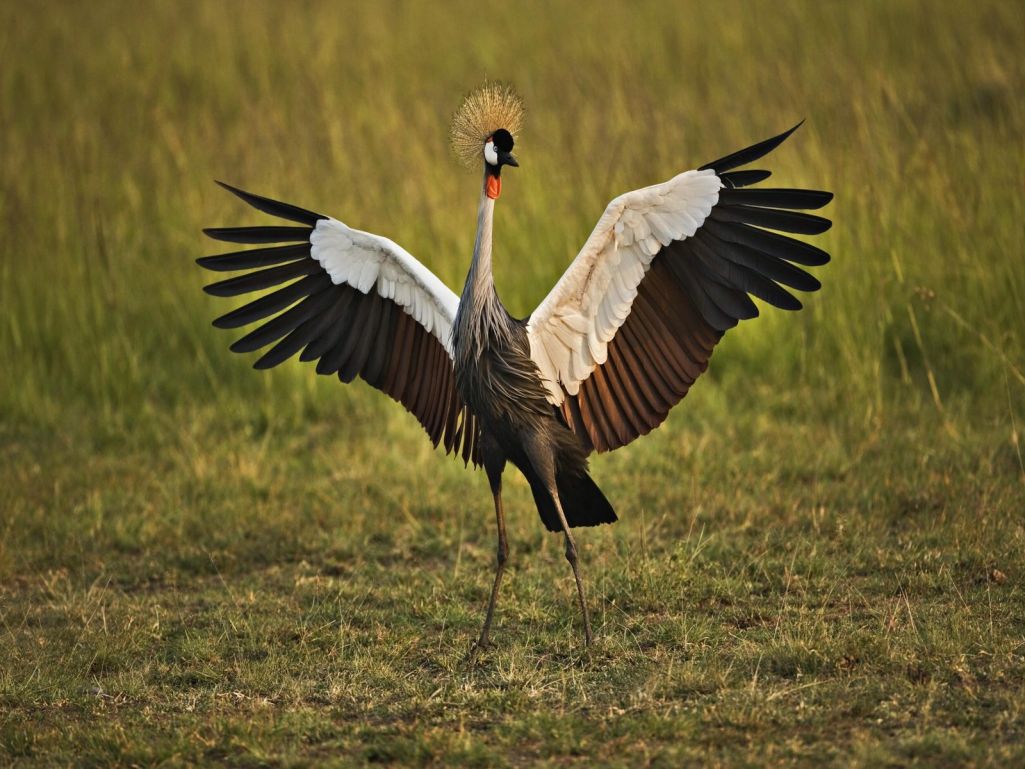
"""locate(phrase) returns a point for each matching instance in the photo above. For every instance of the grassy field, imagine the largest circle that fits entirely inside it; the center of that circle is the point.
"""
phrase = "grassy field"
(821, 554)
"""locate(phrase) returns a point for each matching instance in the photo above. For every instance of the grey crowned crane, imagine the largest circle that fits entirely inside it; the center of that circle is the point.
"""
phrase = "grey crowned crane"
(614, 346)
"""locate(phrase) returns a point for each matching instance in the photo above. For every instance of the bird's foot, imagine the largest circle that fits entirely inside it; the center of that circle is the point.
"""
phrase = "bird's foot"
(481, 644)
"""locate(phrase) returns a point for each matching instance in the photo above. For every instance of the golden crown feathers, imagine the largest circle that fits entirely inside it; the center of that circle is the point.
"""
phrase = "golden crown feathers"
(484, 110)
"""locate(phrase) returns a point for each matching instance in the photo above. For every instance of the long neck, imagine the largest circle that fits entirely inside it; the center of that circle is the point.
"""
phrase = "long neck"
(481, 317)
(480, 282)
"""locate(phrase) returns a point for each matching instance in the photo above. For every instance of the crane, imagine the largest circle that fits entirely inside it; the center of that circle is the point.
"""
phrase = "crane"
(616, 343)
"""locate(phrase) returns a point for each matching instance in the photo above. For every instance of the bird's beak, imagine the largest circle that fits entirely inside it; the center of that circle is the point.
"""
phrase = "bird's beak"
(507, 159)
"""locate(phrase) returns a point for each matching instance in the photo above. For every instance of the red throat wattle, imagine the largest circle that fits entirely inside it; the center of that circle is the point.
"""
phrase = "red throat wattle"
(494, 188)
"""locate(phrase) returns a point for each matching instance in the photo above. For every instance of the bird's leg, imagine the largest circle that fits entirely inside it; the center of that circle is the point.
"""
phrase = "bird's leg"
(494, 464)
(503, 556)
(571, 556)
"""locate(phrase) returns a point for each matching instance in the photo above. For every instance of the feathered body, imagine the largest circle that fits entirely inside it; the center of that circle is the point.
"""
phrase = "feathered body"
(502, 387)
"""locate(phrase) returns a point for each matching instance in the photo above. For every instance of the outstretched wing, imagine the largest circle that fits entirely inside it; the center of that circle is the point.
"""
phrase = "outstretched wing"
(668, 269)
(356, 303)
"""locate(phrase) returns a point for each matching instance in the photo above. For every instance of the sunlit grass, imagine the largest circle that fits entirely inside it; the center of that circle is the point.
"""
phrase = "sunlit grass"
(820, 557)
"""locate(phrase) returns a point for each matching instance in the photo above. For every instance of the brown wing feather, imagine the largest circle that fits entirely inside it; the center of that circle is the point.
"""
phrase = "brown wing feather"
(653, 352)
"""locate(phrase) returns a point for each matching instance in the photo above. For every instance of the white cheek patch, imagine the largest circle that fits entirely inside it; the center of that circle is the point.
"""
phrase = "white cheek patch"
(490, 154)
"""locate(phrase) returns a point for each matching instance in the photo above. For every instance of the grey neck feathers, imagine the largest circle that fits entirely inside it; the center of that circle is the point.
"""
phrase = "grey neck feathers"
(481, 319)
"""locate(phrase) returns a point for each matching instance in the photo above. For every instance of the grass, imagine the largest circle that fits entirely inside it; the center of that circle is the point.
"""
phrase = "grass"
(820, 560)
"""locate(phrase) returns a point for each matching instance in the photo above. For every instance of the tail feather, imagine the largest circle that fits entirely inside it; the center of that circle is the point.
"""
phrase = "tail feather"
(582, 501)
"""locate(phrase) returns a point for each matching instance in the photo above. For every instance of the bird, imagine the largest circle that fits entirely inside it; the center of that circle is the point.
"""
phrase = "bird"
(616, 343)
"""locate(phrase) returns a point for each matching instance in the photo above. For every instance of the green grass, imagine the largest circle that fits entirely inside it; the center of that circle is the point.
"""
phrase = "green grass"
(821, 554)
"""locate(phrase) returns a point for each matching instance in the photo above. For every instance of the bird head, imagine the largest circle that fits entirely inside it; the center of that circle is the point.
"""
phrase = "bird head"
(497, 153)
(484, 125)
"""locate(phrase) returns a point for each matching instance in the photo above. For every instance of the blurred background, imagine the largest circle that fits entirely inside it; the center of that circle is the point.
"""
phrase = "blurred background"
(137, 450)
(116, 122)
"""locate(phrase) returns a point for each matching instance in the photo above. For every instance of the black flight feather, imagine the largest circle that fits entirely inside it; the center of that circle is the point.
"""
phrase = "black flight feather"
(275, 207)
(772, 218)
(270, 304)
(259, 234)
(736, 179)
(776, 198)
(284, 323)
(750, 281)
(256, 281)
(768, 242)
(256, 257)
(768, 265)
(750, 154)
(296, 340)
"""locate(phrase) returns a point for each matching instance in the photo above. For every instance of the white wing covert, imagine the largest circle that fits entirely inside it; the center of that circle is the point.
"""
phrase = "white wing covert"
(570, 331)
(366, 261)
